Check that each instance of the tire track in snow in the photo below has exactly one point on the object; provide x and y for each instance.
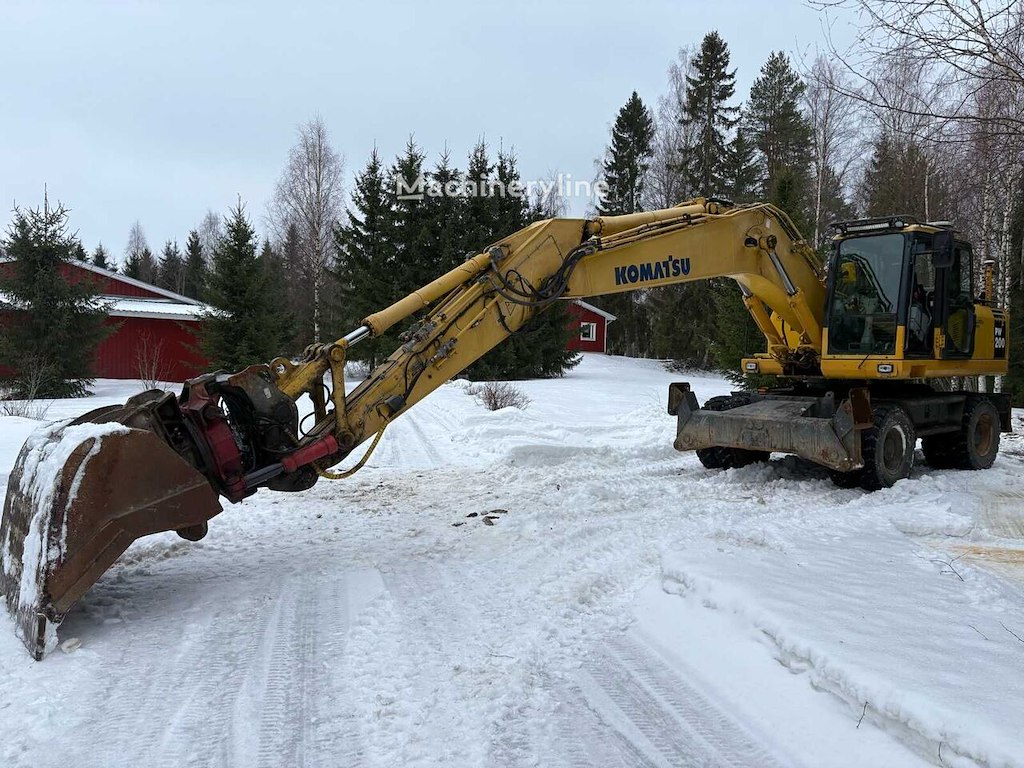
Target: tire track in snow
(586, 740)
(284, 722)
(248, 686)
(676, 725)
(295, 688)
(160, 713)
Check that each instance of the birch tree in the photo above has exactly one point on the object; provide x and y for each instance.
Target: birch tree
(833, 119)
(309, 195)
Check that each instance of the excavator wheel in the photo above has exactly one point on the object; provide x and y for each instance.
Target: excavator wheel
(976, 443)
(722, 457)
(887, 448)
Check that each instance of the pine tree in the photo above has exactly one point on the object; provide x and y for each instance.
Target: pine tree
(194, 270)
(780, 131)
(102, 260)
(366, 247)
(707, 110)
(242, 331)
(625, 166)
(627, 159)
(51, 348)
(171, 269)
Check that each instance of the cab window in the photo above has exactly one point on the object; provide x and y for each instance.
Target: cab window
(865, 295)
(960, 295)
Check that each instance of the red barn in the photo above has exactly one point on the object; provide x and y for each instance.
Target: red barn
(589, 326)
(156, 330)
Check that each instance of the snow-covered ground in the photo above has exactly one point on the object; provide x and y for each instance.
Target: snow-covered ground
(624, 607)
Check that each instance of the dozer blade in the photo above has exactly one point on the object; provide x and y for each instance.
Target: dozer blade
(80, 493)
(822, 429)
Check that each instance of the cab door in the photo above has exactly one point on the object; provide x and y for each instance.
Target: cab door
(955, 291)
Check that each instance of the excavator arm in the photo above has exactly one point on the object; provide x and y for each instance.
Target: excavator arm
(476, 306)
(83, 492)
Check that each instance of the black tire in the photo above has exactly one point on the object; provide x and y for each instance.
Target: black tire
(720, 457)
(976, 443)
(939, 449)
(887, 448)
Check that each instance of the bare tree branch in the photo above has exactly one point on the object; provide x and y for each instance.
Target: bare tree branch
(309, 195)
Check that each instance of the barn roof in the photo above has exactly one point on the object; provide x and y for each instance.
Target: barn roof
(126, 280)
(170, 305)
(606, 315)
(154, 308)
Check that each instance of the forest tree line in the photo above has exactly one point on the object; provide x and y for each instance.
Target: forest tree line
(926, 119)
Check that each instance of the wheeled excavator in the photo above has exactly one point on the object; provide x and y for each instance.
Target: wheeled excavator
(855, 342)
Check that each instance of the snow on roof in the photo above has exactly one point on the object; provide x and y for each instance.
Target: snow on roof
(158, 309)
(127, 280)
(154, 308)
(606, 315)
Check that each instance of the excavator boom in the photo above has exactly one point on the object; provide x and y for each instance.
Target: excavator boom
(84, 490)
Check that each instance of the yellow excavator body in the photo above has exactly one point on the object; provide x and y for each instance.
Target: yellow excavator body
(853, 340)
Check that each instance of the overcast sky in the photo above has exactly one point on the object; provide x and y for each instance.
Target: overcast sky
(159, 111)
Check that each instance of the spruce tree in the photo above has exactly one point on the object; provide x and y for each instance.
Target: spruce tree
(708, 91)
(783, 137)
(171, 269)
(685, 322)
(742, 174)
(194, 270)
(367, 266)
(734, 335)
(444, 234)
(296, 288)
(480, 212)
(242, 331)
(51, 347)
(625, 166)
(280, 321)
(139, 262)
(412, 226)
(537, 350)
(627, 159)
(102, 260)
(897, 176)
(142, 266)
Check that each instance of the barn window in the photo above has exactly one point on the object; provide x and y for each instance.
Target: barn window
(588, 331)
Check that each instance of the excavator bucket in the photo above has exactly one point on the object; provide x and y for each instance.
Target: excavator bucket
(81, 492)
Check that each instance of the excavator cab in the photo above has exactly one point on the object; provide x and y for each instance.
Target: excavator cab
(901, 303)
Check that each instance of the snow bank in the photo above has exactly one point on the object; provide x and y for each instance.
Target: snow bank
(898, 629)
